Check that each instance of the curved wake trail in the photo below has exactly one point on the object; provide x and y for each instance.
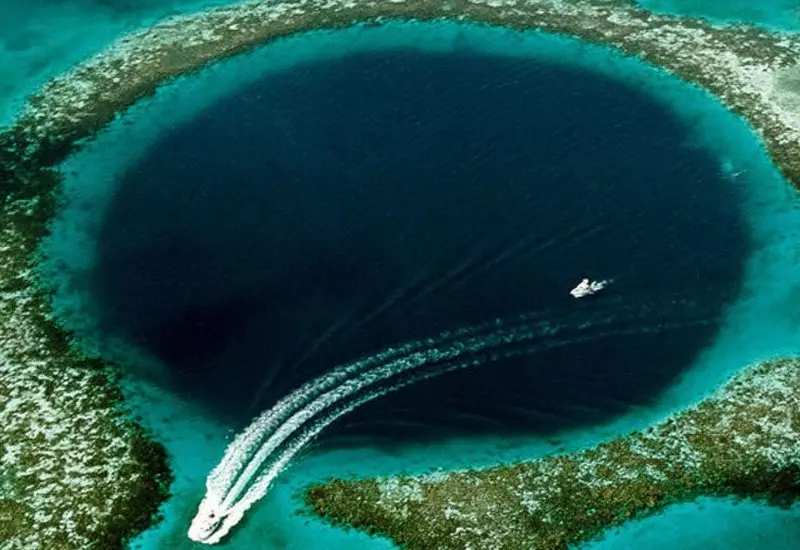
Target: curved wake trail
(473, 266)
(230, 486)
(408, 292)
(260, 487)
(220, 479)
(249, 447)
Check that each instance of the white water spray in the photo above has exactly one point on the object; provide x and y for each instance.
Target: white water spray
(230, 486)
(245, 444)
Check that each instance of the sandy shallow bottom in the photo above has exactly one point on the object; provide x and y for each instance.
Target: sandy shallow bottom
(761, 324)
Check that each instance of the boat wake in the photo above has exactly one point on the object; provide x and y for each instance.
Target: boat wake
(264, 449)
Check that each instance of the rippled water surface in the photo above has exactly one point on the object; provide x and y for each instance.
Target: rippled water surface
(345, 192)
(327, 212)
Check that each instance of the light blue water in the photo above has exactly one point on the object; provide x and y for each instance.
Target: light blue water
(41, 38)
(760, 325)
(444, 185)
(709, 524)
(777, 14)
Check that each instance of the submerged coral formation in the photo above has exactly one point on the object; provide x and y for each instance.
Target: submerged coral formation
(752, 71)
(744, 440)
(76, 473)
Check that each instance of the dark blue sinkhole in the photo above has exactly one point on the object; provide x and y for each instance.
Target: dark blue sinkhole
(334, 209)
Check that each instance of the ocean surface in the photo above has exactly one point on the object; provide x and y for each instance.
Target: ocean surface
(386, 193)
(328, 212)
(337, 193)
(41, 38)
(775, 14)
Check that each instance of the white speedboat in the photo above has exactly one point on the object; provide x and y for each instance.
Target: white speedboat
(587, 288)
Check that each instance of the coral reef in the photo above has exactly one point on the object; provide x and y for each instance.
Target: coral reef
(743, 441)
(77, 473)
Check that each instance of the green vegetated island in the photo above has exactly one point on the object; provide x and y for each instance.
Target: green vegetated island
(77, 473)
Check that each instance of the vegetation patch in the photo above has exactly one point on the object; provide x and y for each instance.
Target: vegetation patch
(743, 441)
(85, 476)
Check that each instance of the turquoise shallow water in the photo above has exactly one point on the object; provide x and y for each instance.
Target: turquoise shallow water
(778, 14)
(396, 194)
(709, 524)
(760, 325)
(41, 38)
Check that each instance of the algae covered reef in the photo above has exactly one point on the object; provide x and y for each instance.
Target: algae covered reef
(742, 441)
(78, 473)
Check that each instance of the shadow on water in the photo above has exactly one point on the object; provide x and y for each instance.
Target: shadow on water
(329, 211)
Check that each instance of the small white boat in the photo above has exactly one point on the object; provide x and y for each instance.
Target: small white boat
(587, 288)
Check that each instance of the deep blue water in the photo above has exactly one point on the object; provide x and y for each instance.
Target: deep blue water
(398, 194)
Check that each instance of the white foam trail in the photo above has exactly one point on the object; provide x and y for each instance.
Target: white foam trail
(222, 477)
(240, 464)
(443, 351)
(337, 326)
(329, 333)
(405, 291)
(260, 487)
(393, 299)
